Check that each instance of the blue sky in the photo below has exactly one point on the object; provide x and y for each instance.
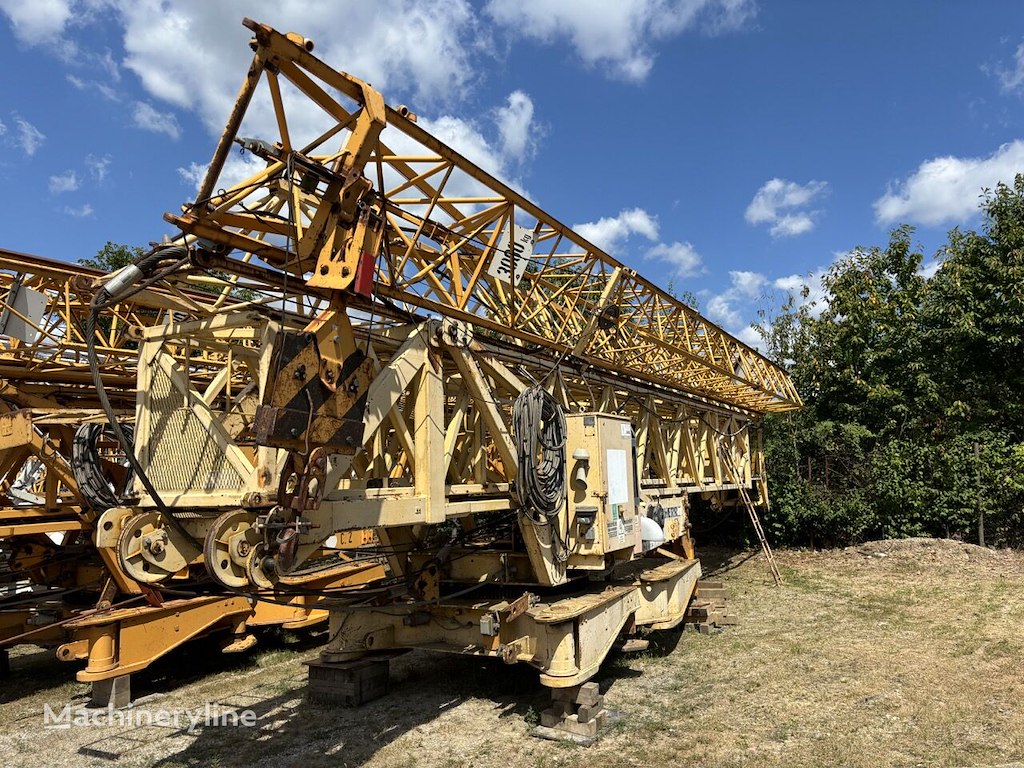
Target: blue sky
(733, 147)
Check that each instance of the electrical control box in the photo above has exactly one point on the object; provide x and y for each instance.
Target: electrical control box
(602, 503)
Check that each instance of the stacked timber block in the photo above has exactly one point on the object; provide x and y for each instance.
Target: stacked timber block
(578, 710)
(708, 609)
(348, 683)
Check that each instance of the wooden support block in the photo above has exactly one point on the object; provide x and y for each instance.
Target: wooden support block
(565, 694)
(563, 708)
(573, 725)
(115, 692)
(549, 718)
(589, 695)
(712, 594)
(585, 714)
(702, 585)
(573, 728)
(635, 645)
(349, 683)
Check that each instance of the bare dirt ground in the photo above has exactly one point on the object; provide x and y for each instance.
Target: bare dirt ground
(895, 653)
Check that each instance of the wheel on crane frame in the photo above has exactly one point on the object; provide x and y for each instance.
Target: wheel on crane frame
(230, 541)
(150, 551)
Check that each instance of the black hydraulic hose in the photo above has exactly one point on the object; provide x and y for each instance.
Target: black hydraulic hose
(104, 298)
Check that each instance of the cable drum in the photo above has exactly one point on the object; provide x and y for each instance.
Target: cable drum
(100, 491)
(538, 426)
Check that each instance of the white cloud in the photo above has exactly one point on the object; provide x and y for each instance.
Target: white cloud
(65, 182)
(193, 173)
(108, 64)
(610, 233)
(806, 290)
(618, 34)
(103, 89)
(29, 138)
(79, 213)
(98, 166)
(1012, 80)
(3, 128)
(782, 204)
(683, 257)
(744, 288)
(37, 21)
(192, 53)
(237, 168)
(515, 125)
(792, 225)
(513, 128)
(147, 118)
(749, 336)
(736, 308)
(928, 269)
(946, 190)
(499, 143)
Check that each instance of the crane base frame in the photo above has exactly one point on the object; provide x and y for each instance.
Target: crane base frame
(566, 639)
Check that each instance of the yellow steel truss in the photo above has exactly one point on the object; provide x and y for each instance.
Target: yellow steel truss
(438, 231)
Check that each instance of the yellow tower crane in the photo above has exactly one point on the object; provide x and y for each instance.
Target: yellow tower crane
(520, 418)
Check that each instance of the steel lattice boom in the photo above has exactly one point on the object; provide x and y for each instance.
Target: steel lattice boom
(443, 235)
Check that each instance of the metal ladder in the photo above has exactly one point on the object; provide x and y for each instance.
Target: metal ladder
(737, 479)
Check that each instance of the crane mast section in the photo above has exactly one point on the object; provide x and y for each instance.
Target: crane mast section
(369, 202)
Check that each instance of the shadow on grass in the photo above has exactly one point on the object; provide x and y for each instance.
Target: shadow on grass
(38, 671)
(423, 687)
(717, 560)
(297, 730)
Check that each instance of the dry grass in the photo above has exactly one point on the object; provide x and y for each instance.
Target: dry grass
(896, 653)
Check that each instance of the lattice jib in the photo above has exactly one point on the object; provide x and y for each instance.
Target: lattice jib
(450, 235)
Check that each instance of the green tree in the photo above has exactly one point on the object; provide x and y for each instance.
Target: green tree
(113, 256)
(915, 397)
(975, 316)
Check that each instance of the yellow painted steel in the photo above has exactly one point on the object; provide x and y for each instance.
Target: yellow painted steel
(447, 230)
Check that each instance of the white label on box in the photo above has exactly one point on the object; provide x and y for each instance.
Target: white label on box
(618, 477)
(627, 430)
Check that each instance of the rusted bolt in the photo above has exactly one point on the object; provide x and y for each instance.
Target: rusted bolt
(300, 372)
(345, 271)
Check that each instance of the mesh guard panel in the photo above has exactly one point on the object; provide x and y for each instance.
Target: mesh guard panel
(183, 454)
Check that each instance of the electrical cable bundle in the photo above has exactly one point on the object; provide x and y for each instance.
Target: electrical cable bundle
(538, 425)
(96, 487)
